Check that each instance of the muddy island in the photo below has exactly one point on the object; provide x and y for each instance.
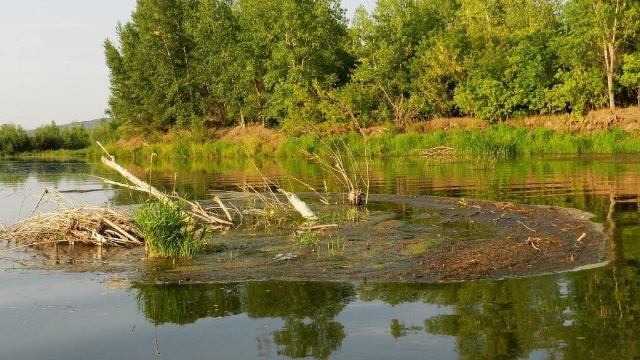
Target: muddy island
(399, 238)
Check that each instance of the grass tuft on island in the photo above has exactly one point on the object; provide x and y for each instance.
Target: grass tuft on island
(167, 231)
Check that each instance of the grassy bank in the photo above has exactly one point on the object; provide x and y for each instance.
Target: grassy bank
(499, 142)
(58, 155)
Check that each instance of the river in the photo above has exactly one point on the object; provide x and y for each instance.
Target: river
(589, 314)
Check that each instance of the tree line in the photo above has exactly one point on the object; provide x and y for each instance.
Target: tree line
(14, 139)
(203, 63)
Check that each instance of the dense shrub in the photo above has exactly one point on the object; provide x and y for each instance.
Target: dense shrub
(75, 137)
(13, 139)
(47, 137)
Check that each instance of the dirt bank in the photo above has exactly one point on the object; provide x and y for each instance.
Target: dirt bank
(421, 239)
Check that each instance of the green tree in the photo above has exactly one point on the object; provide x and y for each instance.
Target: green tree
(291, 45)
(151, 71)
(105, 131)
(75, 137)
(13, 139)
(47, 137)
(218, 63)
(631, 73)
(604, 27)
(385, 44)
(509, 65)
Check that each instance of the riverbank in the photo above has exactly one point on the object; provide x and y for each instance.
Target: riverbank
(495, 142)
(461, 138)
(598, 133)
(57, 155)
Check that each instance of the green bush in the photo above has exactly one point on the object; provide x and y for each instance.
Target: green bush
(167, 230)
(75, 137)
(105, 132)
(13, 139)
(47, 137)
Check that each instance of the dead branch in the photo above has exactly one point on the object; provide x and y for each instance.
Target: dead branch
(196, 211)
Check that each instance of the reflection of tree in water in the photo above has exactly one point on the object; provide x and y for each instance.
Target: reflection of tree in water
(607, 314)
(398, 329)
(317, 338)
(55, 173)
(17, 172)
(308, 309)
(185, 304)
(591, 314)
(490, 320)
(13, 173)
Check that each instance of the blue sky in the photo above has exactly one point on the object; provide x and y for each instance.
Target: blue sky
(51, 58)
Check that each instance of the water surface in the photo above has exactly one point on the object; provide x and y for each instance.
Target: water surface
(588, 314)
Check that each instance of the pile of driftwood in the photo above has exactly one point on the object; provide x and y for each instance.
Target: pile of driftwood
(100, 226)
(439, 151)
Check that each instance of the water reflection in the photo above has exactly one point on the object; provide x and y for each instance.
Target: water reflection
(584, 183)
(591, 314)
(307, 309)
(16, 173)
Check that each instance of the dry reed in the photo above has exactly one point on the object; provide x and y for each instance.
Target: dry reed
(73, 223)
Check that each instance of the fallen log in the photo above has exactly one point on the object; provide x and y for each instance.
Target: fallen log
(196, 211)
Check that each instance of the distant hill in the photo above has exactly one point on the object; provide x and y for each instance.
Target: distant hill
(88, 124)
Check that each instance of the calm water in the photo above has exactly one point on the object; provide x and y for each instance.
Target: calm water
(590, 314)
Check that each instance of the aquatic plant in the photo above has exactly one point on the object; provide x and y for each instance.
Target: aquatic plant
(336, 245)
(168, 231)
(307, 239)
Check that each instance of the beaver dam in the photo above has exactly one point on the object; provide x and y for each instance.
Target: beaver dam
(399, 238)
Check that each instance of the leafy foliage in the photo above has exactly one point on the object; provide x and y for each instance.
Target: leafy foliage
(47, 137)
(75, 137)
(13, 139)
(631, 72)
(202, 63)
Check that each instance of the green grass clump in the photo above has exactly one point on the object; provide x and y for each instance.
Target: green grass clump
(167, 231)
(307, 239)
